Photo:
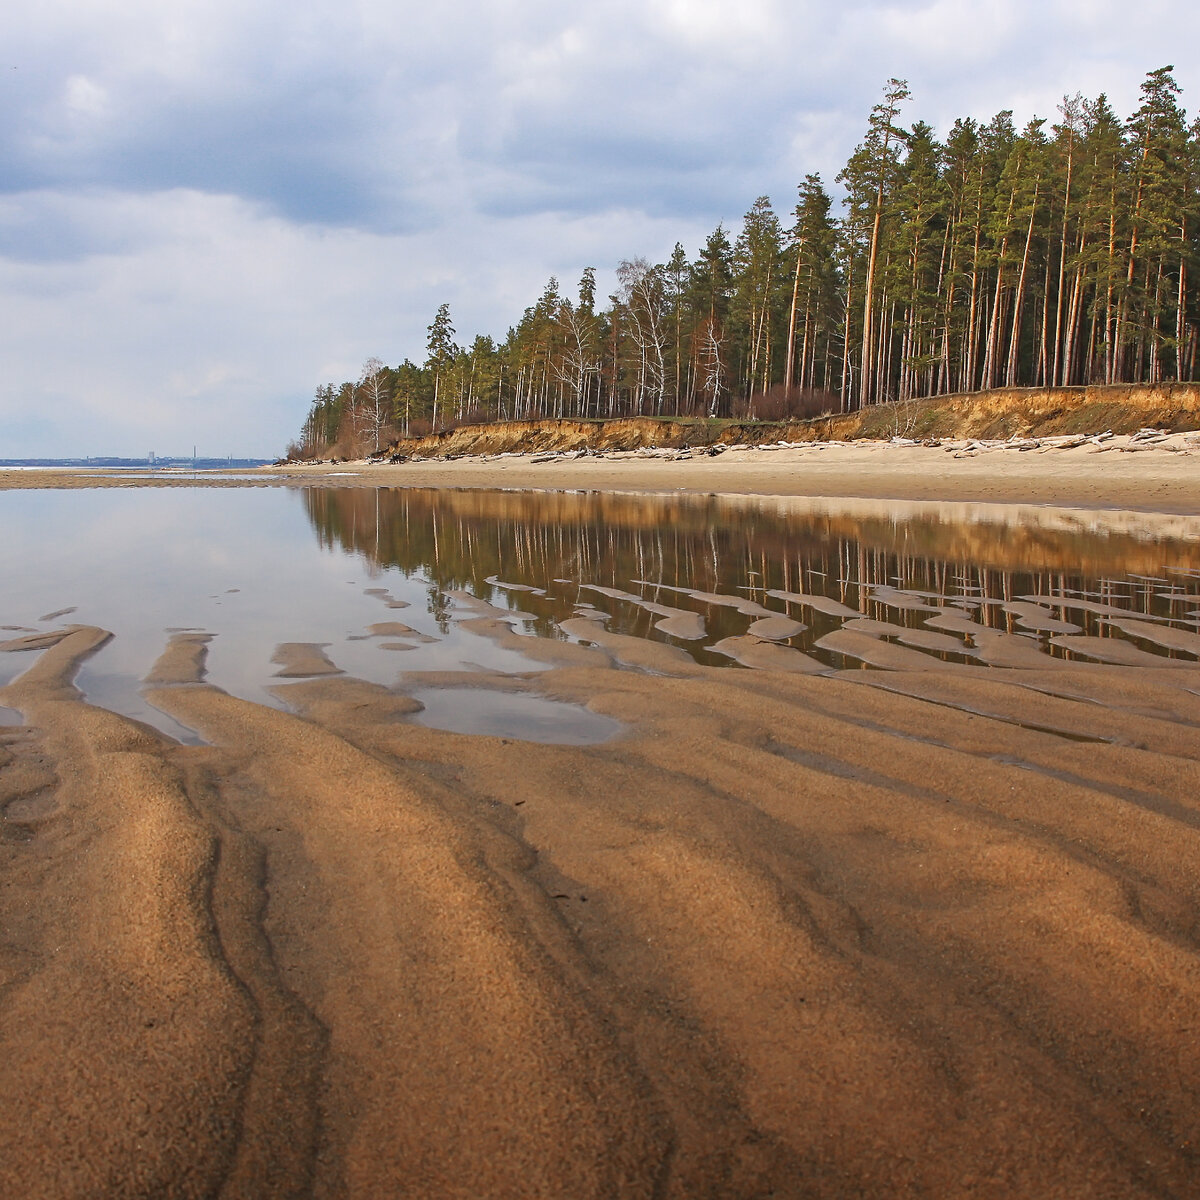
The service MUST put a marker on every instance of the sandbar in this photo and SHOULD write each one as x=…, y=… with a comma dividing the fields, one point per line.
x=926, y=929
x=1162, y=477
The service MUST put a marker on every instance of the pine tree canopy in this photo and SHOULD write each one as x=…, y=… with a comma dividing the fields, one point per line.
x=1061, y=253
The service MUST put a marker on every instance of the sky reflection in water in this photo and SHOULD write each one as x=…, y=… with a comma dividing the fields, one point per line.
x=244, y=565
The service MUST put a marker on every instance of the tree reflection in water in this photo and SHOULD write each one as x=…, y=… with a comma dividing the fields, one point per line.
x=885, y=567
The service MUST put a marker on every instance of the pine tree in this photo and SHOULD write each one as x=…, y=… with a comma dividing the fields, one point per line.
x=757, y=265
x=440, y=349
x=812, y=313
x=920, y=221
x=1055, y=257
x=675, y=283
x=1150, y=316
x=869, y=178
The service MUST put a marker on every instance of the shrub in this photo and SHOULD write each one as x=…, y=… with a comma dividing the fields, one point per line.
x=782, y=404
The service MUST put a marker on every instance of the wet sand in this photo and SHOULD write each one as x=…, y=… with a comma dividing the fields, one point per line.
x=922, y=930
x=906, y=932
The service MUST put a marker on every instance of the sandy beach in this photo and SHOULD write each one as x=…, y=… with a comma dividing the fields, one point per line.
x=1163, y=476
x=923, y=929
x=1163, y=479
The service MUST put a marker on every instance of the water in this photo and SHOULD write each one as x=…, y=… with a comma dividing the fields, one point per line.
x=199, y=462
x=728, y=584
x=694, y=572
x=242, y=564
x=505, y=715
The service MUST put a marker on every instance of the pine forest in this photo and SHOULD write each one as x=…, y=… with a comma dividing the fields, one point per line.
x=1060, y=253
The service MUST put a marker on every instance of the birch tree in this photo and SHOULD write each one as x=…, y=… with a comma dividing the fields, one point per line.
x=373, y=401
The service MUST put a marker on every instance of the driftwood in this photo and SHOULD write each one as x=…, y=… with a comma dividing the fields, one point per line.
x=1144, y=439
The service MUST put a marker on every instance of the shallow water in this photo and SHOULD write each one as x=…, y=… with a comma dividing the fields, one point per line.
x=241, y=564
x=696, y=571
x=726, y=583
x=506, y=715
x=201, y=476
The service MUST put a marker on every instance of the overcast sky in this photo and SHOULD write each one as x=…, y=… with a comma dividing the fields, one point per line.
x=209, y=207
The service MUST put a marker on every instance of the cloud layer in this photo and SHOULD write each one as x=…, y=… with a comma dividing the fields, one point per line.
x=206, y=209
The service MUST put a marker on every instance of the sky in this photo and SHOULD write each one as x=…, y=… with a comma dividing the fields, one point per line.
x=208, y=208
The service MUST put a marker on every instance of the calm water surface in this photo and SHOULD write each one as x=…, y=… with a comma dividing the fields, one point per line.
x=257, y=567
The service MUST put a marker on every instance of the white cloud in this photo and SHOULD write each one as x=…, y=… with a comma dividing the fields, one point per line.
x=210, y=206
x=215, y=328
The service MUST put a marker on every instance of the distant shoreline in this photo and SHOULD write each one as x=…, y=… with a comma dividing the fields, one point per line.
x=1161, y=477
x=115, y=462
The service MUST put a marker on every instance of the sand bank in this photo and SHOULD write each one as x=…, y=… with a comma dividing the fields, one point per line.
x=921, y=931
x=927, y=929
x=1155, y=479
x=1120, y=473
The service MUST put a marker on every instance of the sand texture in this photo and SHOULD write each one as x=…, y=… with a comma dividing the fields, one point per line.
x=929, y=930
x=1162, y=476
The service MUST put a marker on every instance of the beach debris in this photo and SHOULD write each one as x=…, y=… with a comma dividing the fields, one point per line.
x=960, y=447
x=1133, y=447
x=1071, y=441
x=969, y=447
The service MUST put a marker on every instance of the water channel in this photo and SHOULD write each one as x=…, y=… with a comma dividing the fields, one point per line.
x=378, y=583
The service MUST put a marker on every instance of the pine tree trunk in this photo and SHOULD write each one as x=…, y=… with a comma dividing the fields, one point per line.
x=1014, y=345
x=972, y=363
x=847, y=383
x=804, y=350
x=1182, y=331
x=791, y=338
x=1073, y=316
x=1111, y=317
x=939, y=376
x=866, y=382
x=1062, y=265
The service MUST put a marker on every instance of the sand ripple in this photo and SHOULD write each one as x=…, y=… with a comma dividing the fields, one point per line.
x=927, y=930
